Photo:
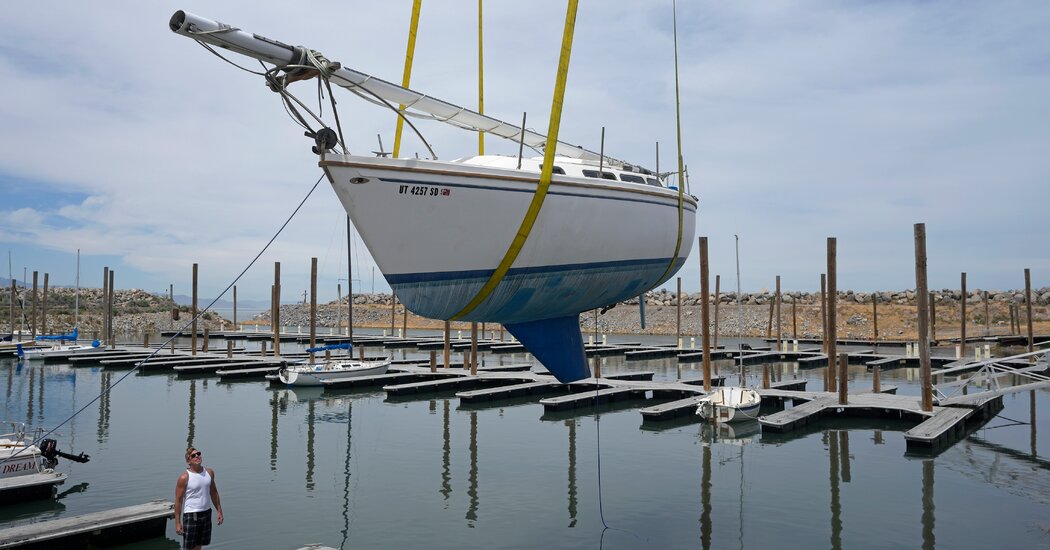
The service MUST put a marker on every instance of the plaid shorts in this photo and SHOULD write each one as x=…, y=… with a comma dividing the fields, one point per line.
x=196, y=529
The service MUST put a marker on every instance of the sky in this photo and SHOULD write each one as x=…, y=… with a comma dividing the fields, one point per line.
x=800, y=121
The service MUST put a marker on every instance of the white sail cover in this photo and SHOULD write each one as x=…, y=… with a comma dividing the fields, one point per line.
x=280, y=54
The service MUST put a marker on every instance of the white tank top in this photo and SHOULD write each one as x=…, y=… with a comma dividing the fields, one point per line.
x=198, y=492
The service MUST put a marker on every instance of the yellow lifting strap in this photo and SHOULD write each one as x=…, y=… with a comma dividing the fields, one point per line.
x=681, y=168
x=408, y=70
x=545, y=174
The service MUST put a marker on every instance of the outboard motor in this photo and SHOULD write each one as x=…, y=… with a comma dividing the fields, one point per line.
x=49, y=450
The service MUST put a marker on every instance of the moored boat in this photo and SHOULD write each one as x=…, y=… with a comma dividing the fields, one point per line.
x=730, y=404
x=313, y=375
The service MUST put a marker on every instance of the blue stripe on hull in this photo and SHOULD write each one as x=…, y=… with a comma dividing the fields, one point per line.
x=530, y=294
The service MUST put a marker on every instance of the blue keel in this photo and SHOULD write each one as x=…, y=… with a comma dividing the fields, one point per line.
x=557, y=343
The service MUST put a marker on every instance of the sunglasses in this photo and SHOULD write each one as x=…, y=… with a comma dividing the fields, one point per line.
x=195, y=455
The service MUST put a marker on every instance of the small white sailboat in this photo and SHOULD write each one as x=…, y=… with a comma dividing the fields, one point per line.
x=730, y=404
x=61, y=350
x=313, y=375
x=57, y=351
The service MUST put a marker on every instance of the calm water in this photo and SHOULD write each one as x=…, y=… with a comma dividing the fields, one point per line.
x=361, y=470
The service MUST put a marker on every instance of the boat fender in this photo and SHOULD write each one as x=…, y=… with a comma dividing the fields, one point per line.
x=95, y=343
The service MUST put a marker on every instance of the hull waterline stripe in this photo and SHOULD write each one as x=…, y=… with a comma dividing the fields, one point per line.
x=545, y=175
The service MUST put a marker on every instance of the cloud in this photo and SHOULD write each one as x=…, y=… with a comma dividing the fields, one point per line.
x=800, y=121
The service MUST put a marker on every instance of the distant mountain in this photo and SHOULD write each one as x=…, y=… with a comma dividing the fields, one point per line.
x=6, y=283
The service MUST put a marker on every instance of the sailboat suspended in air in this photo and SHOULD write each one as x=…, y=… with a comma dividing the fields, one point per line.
x=603, y=231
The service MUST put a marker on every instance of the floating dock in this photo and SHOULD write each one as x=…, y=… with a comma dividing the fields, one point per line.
x=100, y=529
x=17, y=489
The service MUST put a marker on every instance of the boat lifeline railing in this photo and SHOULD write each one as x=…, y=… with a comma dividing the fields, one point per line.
x=280, y=54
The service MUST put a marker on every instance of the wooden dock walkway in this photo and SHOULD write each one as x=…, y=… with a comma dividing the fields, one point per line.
x=100, y=529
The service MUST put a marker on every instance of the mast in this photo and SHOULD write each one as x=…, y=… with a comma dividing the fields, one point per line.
x=76, y=299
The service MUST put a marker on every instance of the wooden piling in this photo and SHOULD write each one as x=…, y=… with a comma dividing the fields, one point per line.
x=473, y=348
x=193, y=313
x=933, y=315
x=112, y=294
x=987, y=319
x=33, y=325
x=718, y=299
x=276, y=317
x=105, y=306
x=876, y=379
x=823, y=313
x=145, y=339
x=313, y=307
x=14, y=295
x=794, y=319
x=705, y=330
x=780, y=344
x=229, y=349
x=921, y=296
x=832, y=310
x=207, y=339
x=678, y=315
x=765, y=377
x=875, y=314
x=769, y=325
x=448, y=346
x=843, y=378
x=433, y=361
x=43, y=308
x=404, y=322
x=597, y=366
x=962, y=327
x=1028, y=309
x=263, y=352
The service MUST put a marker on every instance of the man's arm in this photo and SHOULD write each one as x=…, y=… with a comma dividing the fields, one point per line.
x=180, y=494
x=215, y=495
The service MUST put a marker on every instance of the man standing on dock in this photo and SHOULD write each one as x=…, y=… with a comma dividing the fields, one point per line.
x=195, y=494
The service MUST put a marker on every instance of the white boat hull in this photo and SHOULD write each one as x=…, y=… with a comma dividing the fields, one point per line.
x=28, y=460
x=315, y=375
x=438, y=231
x=58, y=352
x=730, y=404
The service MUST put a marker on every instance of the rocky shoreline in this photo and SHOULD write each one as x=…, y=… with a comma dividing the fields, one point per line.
x=137, y=311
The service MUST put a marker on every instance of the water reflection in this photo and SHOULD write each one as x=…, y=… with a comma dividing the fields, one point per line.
x=572, y=472
x=103, y=408
x=832, y=443
x=1031, y=421
x=274, y=408
x=446, y=453
x=191, y=425
x=929, y=539
x=310, y=445
x=472, y=481
x=346, y=476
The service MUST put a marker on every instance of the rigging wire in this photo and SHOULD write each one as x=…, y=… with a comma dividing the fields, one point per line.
x=110, y=387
